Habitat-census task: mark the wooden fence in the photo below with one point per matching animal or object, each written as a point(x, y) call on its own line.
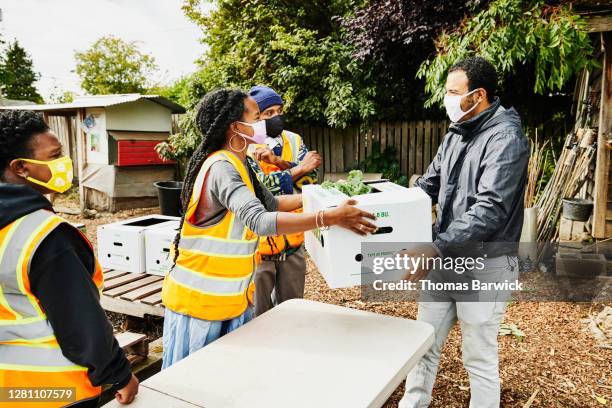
point(415, 142)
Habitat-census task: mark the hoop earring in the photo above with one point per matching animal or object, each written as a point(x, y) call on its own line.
point(233, 148)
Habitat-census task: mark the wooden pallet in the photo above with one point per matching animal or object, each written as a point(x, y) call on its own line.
point(135, 345)
point(133, 294)
point(578, 264)
point(142, 368)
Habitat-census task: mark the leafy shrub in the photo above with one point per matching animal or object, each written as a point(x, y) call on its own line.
point(511, 33)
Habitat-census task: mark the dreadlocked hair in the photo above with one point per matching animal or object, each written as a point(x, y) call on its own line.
point(215, 112)
point(16, 131)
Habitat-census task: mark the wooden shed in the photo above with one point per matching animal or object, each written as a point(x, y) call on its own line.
point(111, 139)
point(594, 89)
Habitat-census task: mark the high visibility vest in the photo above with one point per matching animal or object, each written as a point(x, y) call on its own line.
point(29, 353)
point(213, 275)
point(292, 143)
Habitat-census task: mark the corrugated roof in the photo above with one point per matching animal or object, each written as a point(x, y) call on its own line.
point(95, 101)
point(13, 102)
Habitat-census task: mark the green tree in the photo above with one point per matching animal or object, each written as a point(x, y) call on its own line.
point(112, 65)
point(551, 40)
point(58, 95)
point(177, 91)
point(2, 73)
point(17, 75)
point(295, 47)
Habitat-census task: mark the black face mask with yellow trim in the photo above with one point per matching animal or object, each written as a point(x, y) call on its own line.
point(275, 125)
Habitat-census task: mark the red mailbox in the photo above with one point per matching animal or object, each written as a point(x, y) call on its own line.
point(138, 153)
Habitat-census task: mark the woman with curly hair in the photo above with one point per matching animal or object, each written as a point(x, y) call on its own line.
point(209, 291)
point(53, 331)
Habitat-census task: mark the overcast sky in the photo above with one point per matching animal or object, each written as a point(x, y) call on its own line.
point(51, 31)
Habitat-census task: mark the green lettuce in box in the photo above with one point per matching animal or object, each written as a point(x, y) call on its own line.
point(352, 186)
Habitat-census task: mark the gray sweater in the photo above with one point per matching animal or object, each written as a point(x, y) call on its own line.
point(224, 189)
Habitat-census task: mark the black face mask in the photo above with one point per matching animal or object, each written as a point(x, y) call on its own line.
point(275, 125)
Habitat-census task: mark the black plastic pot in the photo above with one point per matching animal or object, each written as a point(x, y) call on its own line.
point(577, 209)
point(169, 193)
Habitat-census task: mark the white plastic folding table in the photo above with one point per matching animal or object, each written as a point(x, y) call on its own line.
point(299, 354)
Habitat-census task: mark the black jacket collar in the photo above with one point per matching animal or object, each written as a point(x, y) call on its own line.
point(470, 127)
point(17, 200)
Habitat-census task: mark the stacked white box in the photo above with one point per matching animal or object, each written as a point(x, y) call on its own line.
point(157, 247)
point(403, 215)
point(121, 245)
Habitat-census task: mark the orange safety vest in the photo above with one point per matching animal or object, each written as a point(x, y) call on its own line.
point(277, 244)
point(30, 356)
point(213, 276)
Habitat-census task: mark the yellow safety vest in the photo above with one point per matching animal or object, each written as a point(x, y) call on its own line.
point(274, 245)
point(29, 353)
point(213, 276)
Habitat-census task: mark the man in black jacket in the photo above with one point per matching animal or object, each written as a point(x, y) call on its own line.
point(62, 266)
point(478, 180)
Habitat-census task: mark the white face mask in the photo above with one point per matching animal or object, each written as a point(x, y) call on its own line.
point(452, 103)
point(259, 131)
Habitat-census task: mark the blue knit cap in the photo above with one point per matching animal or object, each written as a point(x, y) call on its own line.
point(265, 97)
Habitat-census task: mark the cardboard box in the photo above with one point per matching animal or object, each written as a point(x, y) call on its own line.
point(403, 215)
point(158, 240)
point(121, 245)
